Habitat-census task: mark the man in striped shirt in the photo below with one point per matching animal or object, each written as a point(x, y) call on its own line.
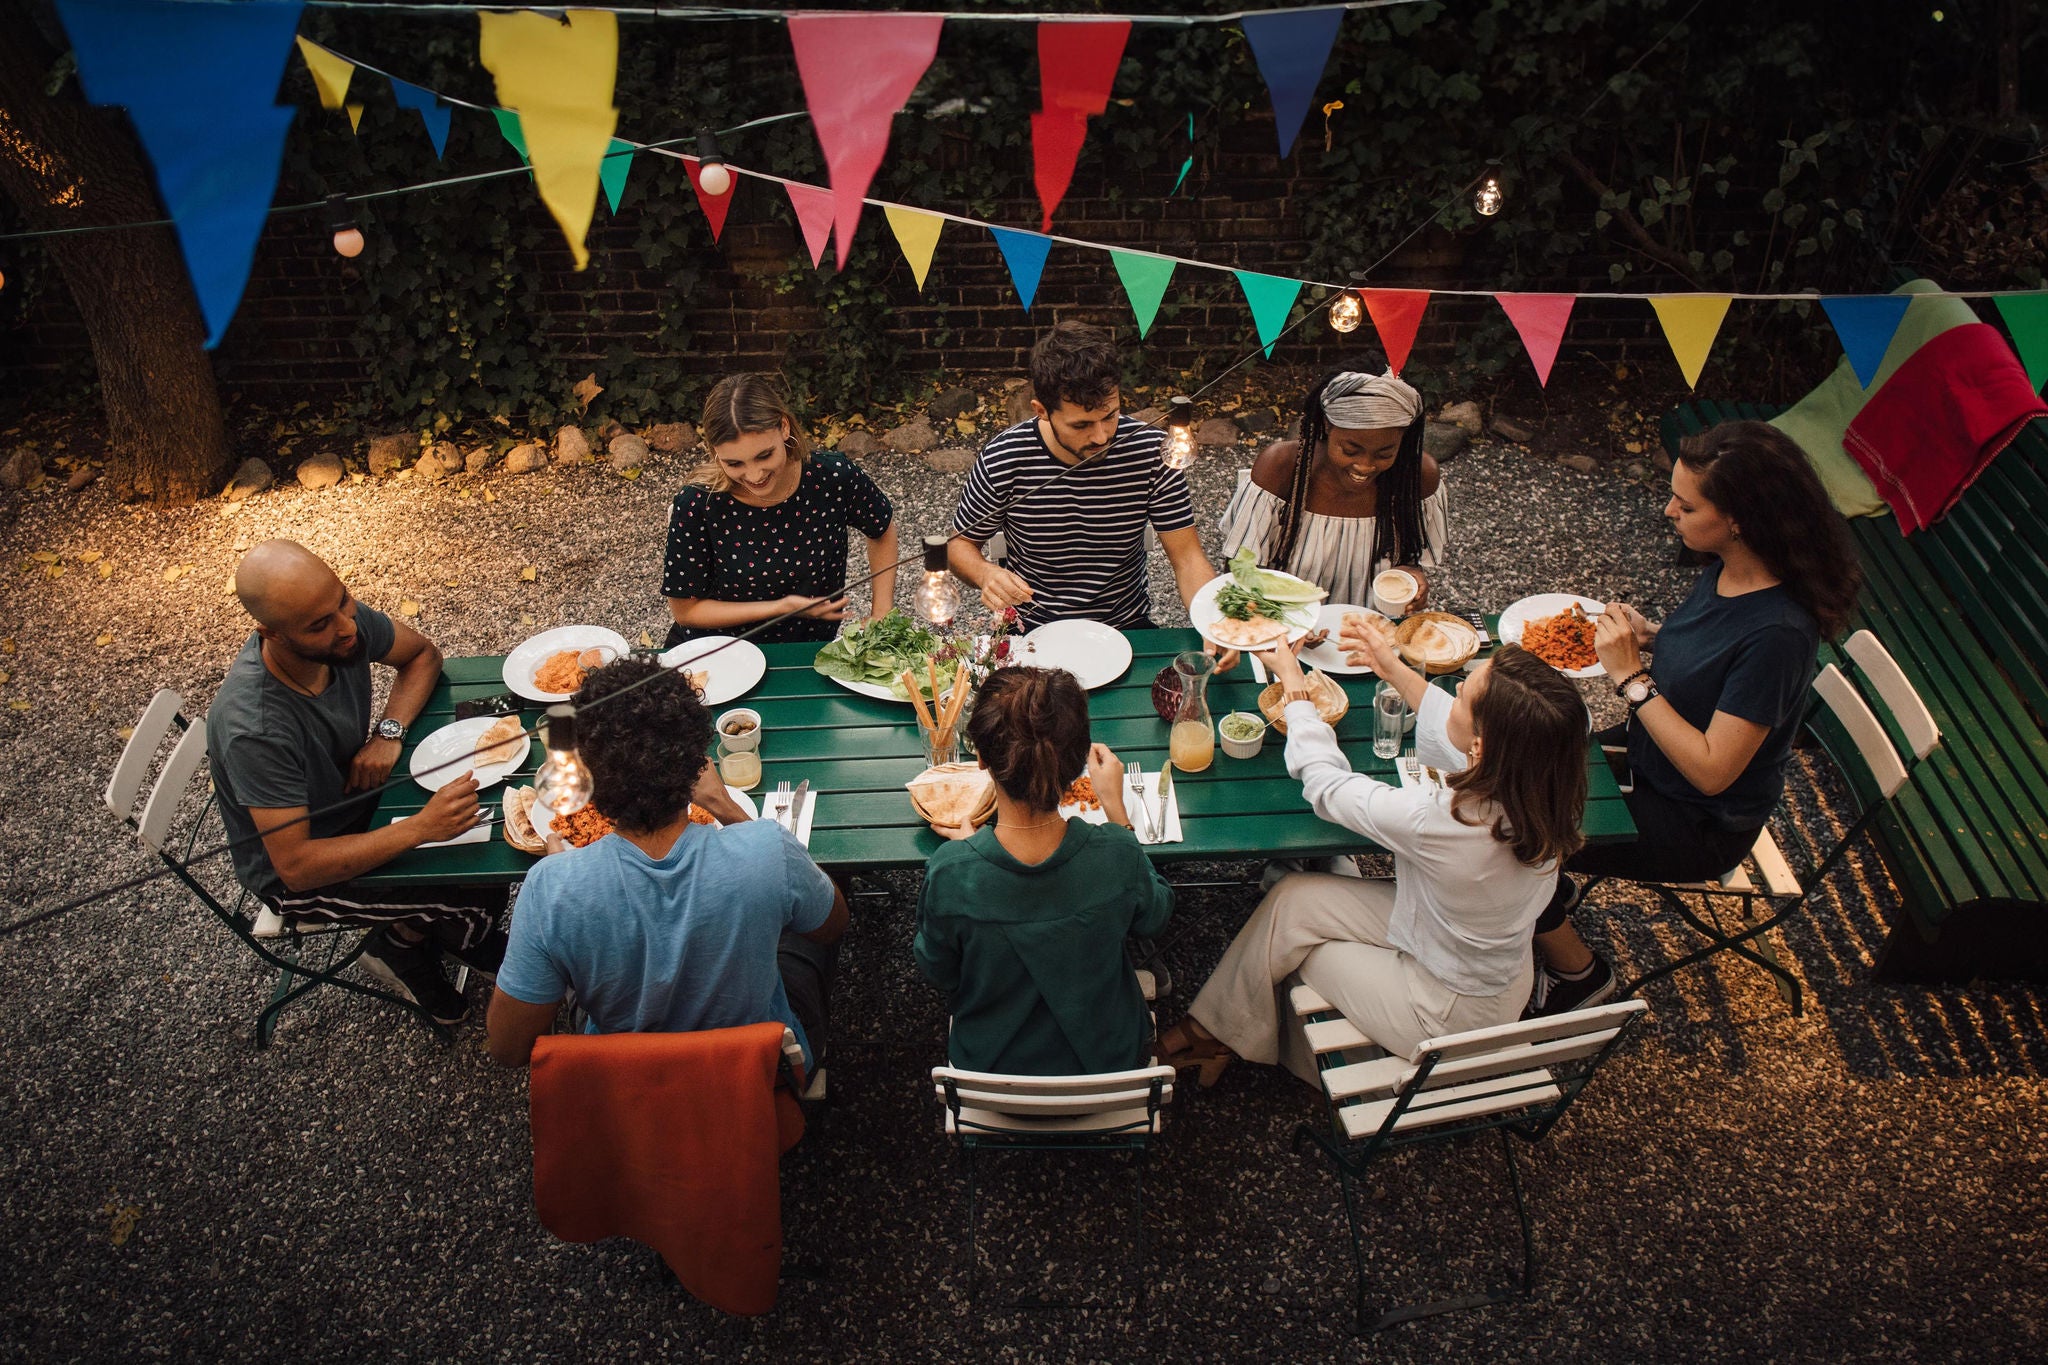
point(1077, 546)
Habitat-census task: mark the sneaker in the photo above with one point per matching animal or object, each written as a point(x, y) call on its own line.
point(413, 970)
point(484, 958)
point(1556, 994)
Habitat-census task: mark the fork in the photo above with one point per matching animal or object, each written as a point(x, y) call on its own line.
point(1137, 775)
point(782, 796)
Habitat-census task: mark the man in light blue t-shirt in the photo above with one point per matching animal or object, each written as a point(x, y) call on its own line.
point(664, 926)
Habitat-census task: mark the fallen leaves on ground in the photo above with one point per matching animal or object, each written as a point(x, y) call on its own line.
point(125, 1218)
point(5, 677)
point(7, 645)
point(408, 608)
point(586, 389)
point(44, 557)
point(629, 473)
point(525, 618)
point(104, 638)
point(646, 640)
point(529, 573)
point(18, 705)
point(176, 572)
point(105, 568)
point(90, 556)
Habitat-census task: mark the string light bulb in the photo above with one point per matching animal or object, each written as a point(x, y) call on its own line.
point(937, 598)
point(563, 783)
point(348, 238)
point(1488, 198)
point(1180, 434)
point(1346, 313)
point(712, 176)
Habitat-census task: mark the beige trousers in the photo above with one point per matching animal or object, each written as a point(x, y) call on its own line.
point(1333, 931)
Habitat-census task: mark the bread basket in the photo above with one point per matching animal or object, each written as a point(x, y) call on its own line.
point(1437, 661)
point(1331, 703)
point(925, 784)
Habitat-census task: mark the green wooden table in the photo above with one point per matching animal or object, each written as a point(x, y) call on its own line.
point(858, 753)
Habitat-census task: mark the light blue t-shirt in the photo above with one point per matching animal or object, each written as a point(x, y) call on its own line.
point(669, 946)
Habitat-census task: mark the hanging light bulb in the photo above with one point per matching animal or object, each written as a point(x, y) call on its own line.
point(1346, 313)
point(1180, 434)
point(563, 783)
point(712, 176)
point(1488, 198)
point(937, 599)
point(348, 238)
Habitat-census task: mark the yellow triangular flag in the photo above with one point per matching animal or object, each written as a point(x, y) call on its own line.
point(1691, 322)
point(559, 77)
point(917, 233)
point(355, 118)
point(330, 73)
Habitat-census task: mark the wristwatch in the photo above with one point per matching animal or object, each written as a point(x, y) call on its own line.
point(388, 728)
point(1637, 689)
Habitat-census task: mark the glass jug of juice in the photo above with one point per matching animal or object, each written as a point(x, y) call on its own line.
point(1192, 746)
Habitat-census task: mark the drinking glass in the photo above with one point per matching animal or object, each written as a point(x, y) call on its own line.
point(739, 768)
point(1389, 718)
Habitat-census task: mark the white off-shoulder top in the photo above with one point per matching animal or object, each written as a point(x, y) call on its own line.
point(1330, 552)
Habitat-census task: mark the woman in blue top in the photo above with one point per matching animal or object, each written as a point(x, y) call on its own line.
point(761, 530)
point(1711, 721)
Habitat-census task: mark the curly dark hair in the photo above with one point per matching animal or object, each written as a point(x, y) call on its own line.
point(1761, 481)
point(1075, 363)
point(1030, 726)
point(646, 747)
point(1397, 524)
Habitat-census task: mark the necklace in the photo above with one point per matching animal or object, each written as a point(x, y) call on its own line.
point(278, 672)
point(1040, 824)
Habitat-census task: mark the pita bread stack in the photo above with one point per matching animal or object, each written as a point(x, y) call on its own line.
point(519, 831)
point(954, 794)
point(1255, 633)
point(1331, 703)
point(499, 743)
point(1437, 642)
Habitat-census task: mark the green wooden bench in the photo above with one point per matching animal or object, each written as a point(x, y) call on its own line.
point(1964, 608)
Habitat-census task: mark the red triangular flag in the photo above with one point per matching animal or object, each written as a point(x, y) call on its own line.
point(814, 215)
point(858, 70)
point(1396, 316)
point(1076, 67)
point(1540, 319)
point(715, 206)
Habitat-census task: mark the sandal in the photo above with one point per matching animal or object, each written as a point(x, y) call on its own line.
point(1181, 1047)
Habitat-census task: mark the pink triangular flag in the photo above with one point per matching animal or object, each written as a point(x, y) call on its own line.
point(858, 70)
point(1396, 316)
point(715, 206)
point(1540, 319)
point(814, 215)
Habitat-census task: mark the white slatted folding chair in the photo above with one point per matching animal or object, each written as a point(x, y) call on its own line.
point(1861, 746)
point(1112, 1111)
point(305, 957)
point(1516, 1079)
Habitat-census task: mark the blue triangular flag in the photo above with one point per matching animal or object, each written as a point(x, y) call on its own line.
point(611, 172)
point(200, 85)
point(432, 112)
point(1292, 47)
point(1865, 323)
point(1025, 253)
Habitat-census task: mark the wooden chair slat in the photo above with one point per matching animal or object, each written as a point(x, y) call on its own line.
point(1455, 1104)
point(178, 770)
point(1508, 1061)
point(133, 766)
point(1334, 1035)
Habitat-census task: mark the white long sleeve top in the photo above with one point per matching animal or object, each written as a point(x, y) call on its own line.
point(1464, 906)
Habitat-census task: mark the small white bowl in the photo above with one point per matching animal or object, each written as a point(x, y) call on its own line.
point(751, 739)
point(1242, 748)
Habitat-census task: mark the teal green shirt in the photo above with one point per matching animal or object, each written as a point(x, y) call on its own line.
point(1032, 958)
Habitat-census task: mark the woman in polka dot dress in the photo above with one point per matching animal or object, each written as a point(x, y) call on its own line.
point(761, 527)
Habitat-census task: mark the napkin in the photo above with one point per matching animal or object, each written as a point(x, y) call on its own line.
point(771, 807)
point(1173, 831)
point(478, 833)
point(1413, 773)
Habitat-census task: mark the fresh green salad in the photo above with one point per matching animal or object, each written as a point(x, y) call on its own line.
point(1262, 592)
point(878, 652)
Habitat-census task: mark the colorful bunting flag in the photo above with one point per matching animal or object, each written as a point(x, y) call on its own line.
point(1865, 323)
point(1691, 322)
point(1024, 253)
point(432, 112)
point(1076, 68)
point(331, 73)
point(1397, 317)
point(857, 71)
point(917, 234)
point(508, 128)
point(1145, 278)
point(558, 74)
point(1272, 298)
point(199, 83)
point(2026, 317)
point(813, 208)
point(1539, 320)
point(355, 117)
point(715, 206)
point(1188, 164)
point(1292, 48)
point(613, 170)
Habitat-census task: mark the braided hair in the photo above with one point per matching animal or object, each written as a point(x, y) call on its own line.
point(1397, 518)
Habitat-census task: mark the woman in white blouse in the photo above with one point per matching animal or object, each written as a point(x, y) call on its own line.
point(1353, 496)
point(1445, 946)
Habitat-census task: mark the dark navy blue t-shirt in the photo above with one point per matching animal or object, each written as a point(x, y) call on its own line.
point(1752, 656)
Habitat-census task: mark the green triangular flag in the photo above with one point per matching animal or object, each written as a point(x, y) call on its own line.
point(1145, 279)
point(611, 172)
point(2026, 317)
point(1271, 298)
point(508, 124)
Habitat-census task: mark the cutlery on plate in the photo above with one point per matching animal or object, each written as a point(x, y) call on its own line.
point(1139, 815)
point(1165, 795)
point(780, 798)
point(796, 807)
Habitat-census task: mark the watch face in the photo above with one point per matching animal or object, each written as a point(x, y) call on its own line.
point(1638, 691)
point(390, 729)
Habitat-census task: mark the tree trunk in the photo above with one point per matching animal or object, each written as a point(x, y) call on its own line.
point(67, 164)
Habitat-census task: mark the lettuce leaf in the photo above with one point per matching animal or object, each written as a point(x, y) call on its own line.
point(1270, 584)
point(878, 652)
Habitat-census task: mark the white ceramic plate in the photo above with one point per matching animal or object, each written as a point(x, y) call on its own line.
point(1204, 613)
point(544, 819)
point(451, 745)
point(879, 691)
point(531, 654)
point(1545, 604)
point(734, 669)
point(1327, 656)
point(1094, 653)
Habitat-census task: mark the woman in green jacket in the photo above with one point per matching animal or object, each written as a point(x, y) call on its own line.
point(1022, 923)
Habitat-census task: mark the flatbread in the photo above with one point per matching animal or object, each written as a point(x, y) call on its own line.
point(497, 744)
point(519, 830)
point(1436, 642)
point(1358, 621)
point(1248, 634)
point(954, 794)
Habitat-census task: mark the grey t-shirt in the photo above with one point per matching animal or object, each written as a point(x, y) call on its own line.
point(272, 748)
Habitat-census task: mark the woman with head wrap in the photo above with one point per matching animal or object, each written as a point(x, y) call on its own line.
point(1353, 496)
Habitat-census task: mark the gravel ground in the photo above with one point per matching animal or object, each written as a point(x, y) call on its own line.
point(1861, 1183)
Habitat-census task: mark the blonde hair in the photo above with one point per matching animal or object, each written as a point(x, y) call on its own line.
point(740, 405)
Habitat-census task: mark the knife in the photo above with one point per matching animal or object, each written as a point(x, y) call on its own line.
point(796, 807)
point(1165, 795)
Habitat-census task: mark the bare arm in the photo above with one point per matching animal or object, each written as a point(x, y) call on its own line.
point(1710, 760)
point(999, 587)
point(835, 921)
point(513, 1026)
point(882, 556)
point(707, 613)
point(419, 667)
point(304, 862)
point(1191, 568)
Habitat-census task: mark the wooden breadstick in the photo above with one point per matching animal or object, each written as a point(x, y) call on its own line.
point(958, 700)
point(910, 685)
point(931, 673)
